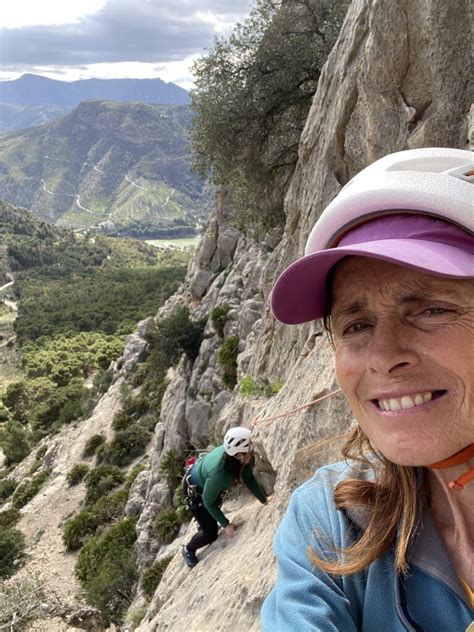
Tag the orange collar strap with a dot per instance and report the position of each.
(457, 459)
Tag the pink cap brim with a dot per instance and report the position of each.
(299, 294)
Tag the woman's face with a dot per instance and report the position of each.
(245, 457)
(404, 343)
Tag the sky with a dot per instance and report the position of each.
(79, 39)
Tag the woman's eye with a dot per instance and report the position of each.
(355, 328)
(436, 311)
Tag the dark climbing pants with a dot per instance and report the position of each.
(208, 527)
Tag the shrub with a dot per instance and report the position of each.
(127, 445)
(250, 387)
(121, 421)
(152, 576)
(28, 489)
(247, 386)
(110, 508)
(83, 525)
(9, 518)
(227, 358)
(101, 480)
(136, 615)
(92, 444)
(77, 473)
(172, 468)
(7, 487)
(219, 317)
(174, 335)
(276, 387)
(184, 515)
(166, 526)
(38, 460)
(78, 530)
(12, 548)
(14, 442)
(106, 568)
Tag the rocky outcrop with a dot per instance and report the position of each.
(396, 79)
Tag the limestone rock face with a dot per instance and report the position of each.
(395, 79)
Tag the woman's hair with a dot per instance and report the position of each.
(232, 466)
(392, 498)
(393, 501)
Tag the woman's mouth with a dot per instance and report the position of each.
(406, 402)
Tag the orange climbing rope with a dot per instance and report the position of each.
(257, 422)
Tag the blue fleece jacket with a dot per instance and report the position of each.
(429, 599)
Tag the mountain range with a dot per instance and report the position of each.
(119, 168)
(32, 99)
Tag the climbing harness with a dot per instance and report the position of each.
(192, 493)
(257, 422)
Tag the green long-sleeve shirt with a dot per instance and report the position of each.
(209, 474)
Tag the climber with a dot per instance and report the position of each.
(208, 478)
(384, 540)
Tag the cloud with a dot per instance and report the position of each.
(151, 31)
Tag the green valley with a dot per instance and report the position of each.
(77, 298)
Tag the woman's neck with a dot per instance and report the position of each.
(453, 512)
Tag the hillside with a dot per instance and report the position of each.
(16, 117)
(120, 168)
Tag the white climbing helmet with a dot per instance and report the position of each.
(388, 211)
(433, 181)
(237, 440)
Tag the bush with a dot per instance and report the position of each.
(122, 421)
(152, 576)
(78, 530)
(77, 473)
(227, 358)
(7, 487)
(28, 489)
(92, 444)
(174, 335)
(106, 568)
(127, 445)
(110, 508)
(247, 386)
(101, 480)
(219, 317)
(12, 548)
(83, 525)
(172, 468)
(9, 518)
(14, 442)
(184, 515)
(166, 526)
(250, 387)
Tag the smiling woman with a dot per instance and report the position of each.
(384, 539)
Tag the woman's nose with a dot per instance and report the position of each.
(391, 348)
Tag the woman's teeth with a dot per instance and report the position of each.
(405, 402)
